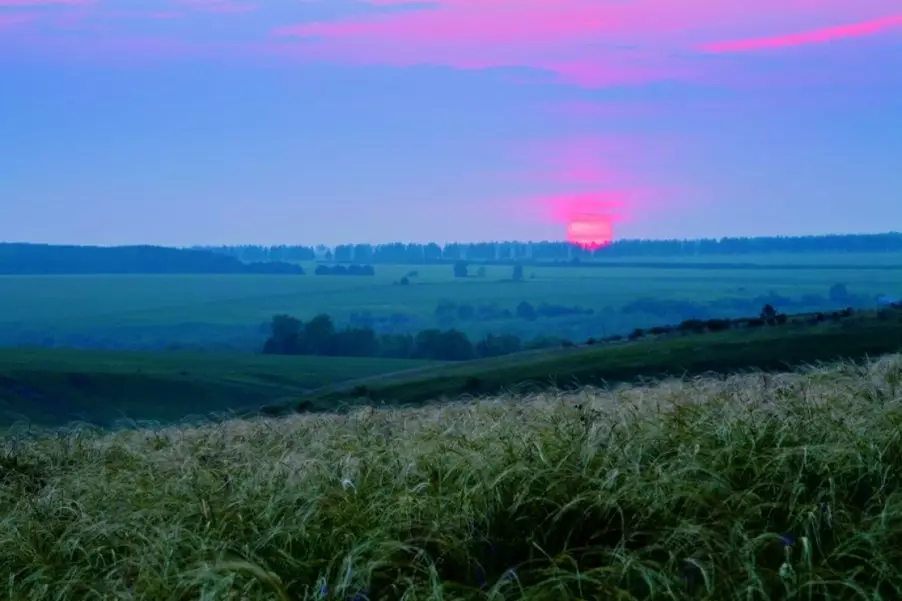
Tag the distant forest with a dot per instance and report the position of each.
(526, 252)
(20, 258)
(23, 259)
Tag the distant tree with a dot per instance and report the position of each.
(354, 342)
(768, 314)
(461, 269)
(284, 339)
(20, 258)
(692, 325)
(318, 335)
(526, 311)
(495, 346)
(718, 325)
(404, 281)
(455, 346)
(397, 346)
(839, 293)
(517, 273)
(450, 345)
(480, 273)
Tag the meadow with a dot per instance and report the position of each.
(57, 386)
(748, 487)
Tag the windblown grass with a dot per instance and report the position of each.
(749, 487)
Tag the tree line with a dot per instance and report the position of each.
(20, 259)
(320, 336)
(501, 251)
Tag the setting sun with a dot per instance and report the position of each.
(590, 231)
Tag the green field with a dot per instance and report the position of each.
(53, 387)
(77, 303)
(766, 348)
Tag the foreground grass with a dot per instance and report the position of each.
(748, 487)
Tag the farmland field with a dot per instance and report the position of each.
(236, 299)
(230, 312)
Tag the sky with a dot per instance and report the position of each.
(183, 122)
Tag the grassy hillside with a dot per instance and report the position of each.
(49, 386)
(783, 487)
(766, 348)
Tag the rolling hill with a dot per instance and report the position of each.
(766, 348)
(54, 386)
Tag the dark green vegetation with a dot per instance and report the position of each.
(53, 387)
(319, 336)
(19, 259)
(787, 342)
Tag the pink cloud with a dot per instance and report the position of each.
(590, 43)
(816, 36)
(220, 6)
(41, 3)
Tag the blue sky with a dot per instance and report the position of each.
(216, 121)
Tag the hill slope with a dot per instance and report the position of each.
(53, 387)
(783, 488)
(767, 348)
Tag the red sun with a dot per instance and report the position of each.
(590, 232)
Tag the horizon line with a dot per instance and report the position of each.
(452, 243)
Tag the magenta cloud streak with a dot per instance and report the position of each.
(42, 3)
(817, 36)
(585, 42)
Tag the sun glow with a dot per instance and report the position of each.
(590, 232)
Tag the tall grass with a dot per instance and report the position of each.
(751, 487)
